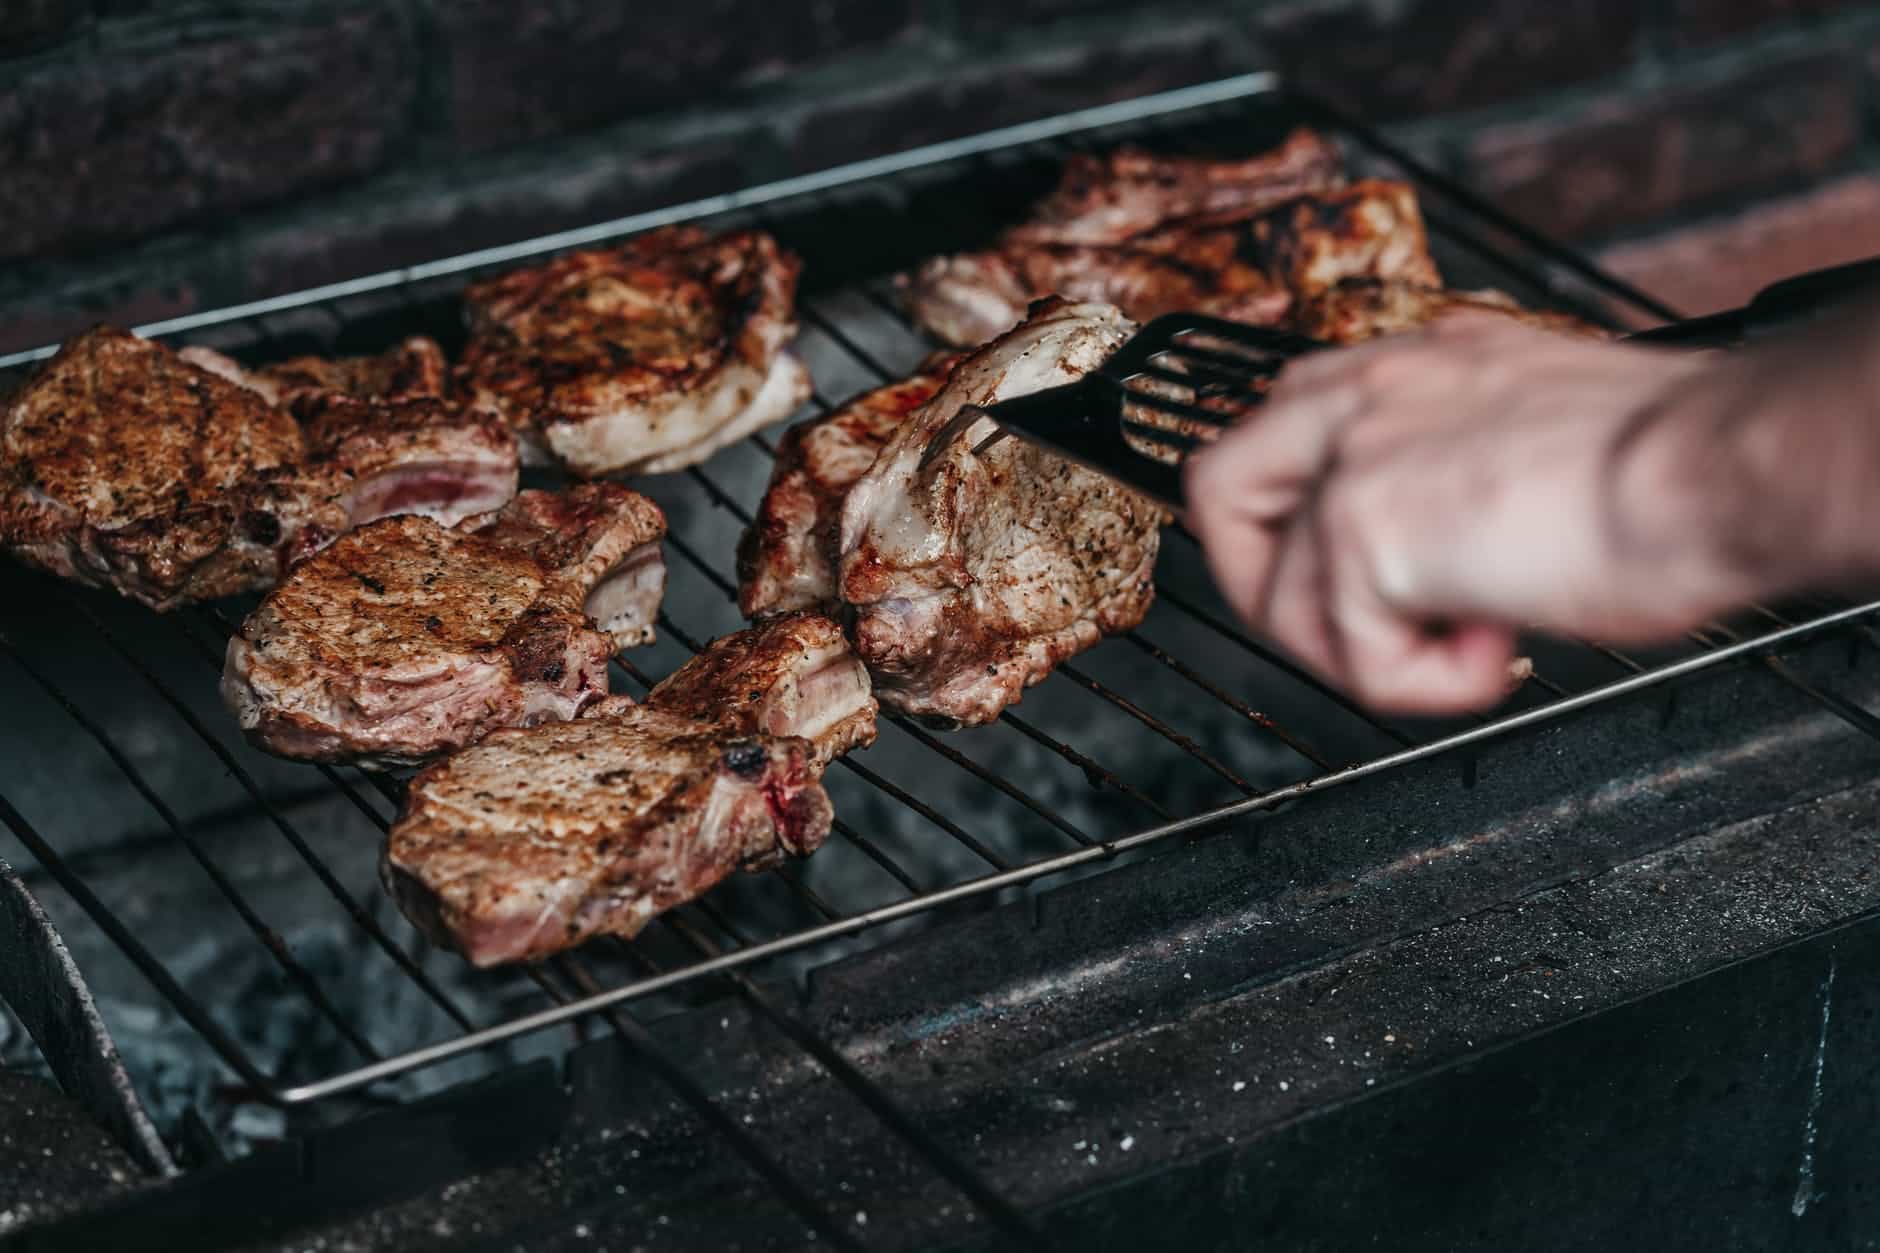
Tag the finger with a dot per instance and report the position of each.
(1457, 671)
(1292, 610)
(1393, 660)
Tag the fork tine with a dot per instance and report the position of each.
(944, 437)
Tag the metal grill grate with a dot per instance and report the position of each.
(1155, 735)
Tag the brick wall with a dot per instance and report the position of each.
(161, 155)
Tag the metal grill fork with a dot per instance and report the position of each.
(1170, 389)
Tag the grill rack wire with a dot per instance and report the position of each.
(1189, 120)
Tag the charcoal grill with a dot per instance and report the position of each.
(1189, 950)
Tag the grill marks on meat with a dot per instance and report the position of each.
(786, 557)
(642, 358)
(1240, 239)
(414, 370)
(405, 638)
(532, 841)
(970, 579)
(792, 675)
(598, 536)
(123, 465)
(1360, 309)
(1372, 229)
(1115, 198)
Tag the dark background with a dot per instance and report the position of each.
(158, 156)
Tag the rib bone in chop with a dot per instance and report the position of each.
(641, 358)
(972, 576)
(122, 465)
(790, 675)
(405, 638)
(787, 556)
(534, 840)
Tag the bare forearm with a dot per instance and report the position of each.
(1765, 465)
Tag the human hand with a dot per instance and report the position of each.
(1395, 512)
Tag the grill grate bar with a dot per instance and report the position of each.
(271, 940)
(1258, 719)
(1189, 609)
(1847, 711)
(1187, 745)
(634, 1036)
(1008, 1217)
(366, 922)
(191, 1010)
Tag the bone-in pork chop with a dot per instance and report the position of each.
(1115, 198)
(971, 577)
(123, 465)
(1360, 309)
(413, 370)
(1251, 271)
(790, 675)
(534, 840)
(405, 638)
(641, 358)
(786, 557)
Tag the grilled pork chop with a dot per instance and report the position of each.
(406, 638)
(534, 840)
(1360, 309)
(1250, 271)
(971, 578)
(123, 465)
(414, 370)
(1113, 199)
(790, 675)
(597, 536)
(786, 557)
(642, 358)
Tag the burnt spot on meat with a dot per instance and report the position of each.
(368, 582)
(434, 624)
(747, 759)
(613, 778)
(261, 527)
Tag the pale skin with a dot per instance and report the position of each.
(1397, 512)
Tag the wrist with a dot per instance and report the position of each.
(1693, 479)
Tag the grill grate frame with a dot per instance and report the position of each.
(1181, 121)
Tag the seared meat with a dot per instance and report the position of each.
(1113, 199)
(1372, 229)
(123, 465)
(786, 558)
(414, 370)
(405, 638)
(969, 299)
(642, 358)
(791, 675)
(1360, 309)
(971, 578)
(1155, 235)
(532, 841)
(1251, 270)
(598, 536)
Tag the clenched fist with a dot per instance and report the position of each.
(1395, 512)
